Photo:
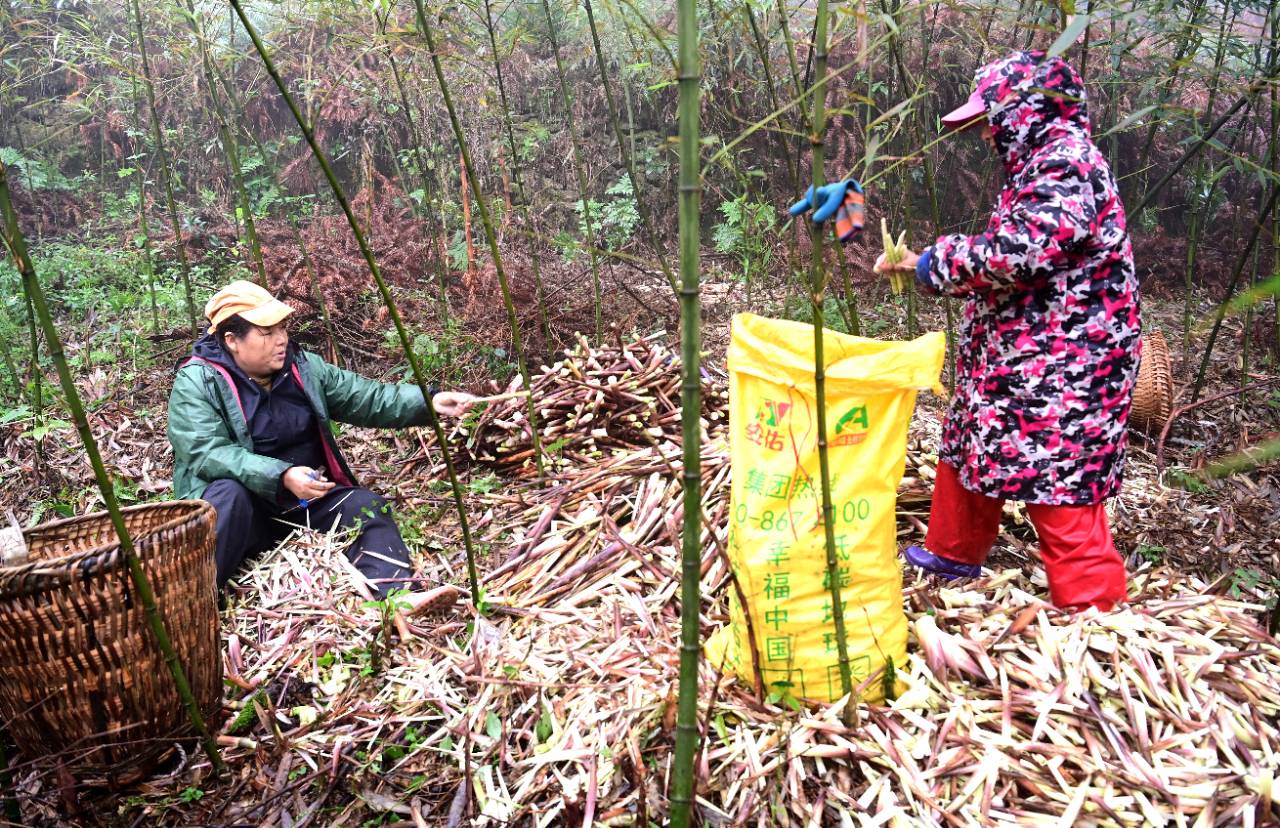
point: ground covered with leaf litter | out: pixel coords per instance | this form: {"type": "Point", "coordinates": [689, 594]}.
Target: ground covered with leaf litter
{"type": "Point", "coordinates": [555, 705]}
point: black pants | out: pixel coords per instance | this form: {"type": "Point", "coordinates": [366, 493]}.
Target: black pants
{"type": "Point", "coordinates": [247, 525]}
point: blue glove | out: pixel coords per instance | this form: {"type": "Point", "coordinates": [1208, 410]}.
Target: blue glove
{"type": "Point", "coordinates": [316, 474]}
{"type": "Point", "coordinates": [842, 199]}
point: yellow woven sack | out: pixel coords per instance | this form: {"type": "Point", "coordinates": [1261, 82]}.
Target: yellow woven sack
{"type": "Point", "coordinates": [777, 544]}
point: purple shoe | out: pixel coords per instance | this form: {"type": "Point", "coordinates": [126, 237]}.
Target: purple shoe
{"type": "Point", "coordinates": [933, 564]}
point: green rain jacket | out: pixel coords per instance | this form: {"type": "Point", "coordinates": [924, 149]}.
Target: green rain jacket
{"type": "Point", "coordinates": [210, 435]}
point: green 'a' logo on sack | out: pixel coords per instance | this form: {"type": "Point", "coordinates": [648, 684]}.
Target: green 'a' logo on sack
{"type": "Point", "coordinates": [851, 429]}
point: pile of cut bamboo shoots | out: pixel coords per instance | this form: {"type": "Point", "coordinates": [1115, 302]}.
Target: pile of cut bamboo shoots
{"type": "Point", "coordinates": [593, 401]}
{"type": "Point", "coordinates": [556, 706]}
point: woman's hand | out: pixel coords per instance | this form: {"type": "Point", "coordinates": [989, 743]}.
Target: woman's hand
{"type": "Point", "coordinates": [908, 262]}
{"type": "Point", "coordinates": [306, 483]}
{"type": "Point", "coordinates": [452, 403]}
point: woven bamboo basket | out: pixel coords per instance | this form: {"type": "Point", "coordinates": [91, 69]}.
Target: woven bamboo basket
{"type": "Point", "coordinates": [1153, 393]}
{"type": "Point", "coordinates": [81, 677]}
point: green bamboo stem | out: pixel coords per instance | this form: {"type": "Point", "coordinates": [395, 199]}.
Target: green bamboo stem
{"type": "Point", "coordinates": [1192, 151]}
{"type": "Point", "coordinates": [905, 82]}
{"type": "Point", "coordinates": [762, 52]}
{"type": "Point", "coordinates": [166, 177]}
{"type": "Point", "coordinates": [935, 209]}
{"type": "Point", "coordinates": [849, 309]}
{"type": "Point", "coordinates": [579, 166]}
{"type": "Point", "coordinates": [148, 259]}
{"type": "Point", "coordinates": [793, 163]}
{"type": "Point", "coordinates": [1263, 216]}
{"type": "Point", "coordinates": [317, 295]}
{"type": "Point", "coordinates": [817, 280]}
{"type": "Point", "coordinates": [1245, 338]}
{"type": "Point", "coordinates": [406, 343]}
{"type": "Point", "coordinates": [689, 75]}
{"type": "Point", "coordinates": [17, 247]}
{"type": "Point", "coordinates": [1166, 93]}
{"type": "Point", "coordinates": [628, 161]}
{"type": "Point", "coordinates": [429, 193]}
{"type": "Point", "coordinates": [517, 179]}
{"type": "Point", "coordinates": [240, 122]}
{"type": "Point", "coordinates": [37, 384]}
{"type": "Point", "coordinates": [1273, 163]}
{"type": "Point", "coordinates": [797, 88]}
{"type": "Point", "coordinates": [11, 367]}
{"type": "Point", "coordinates": [230, 146]}
{"type": "Point", "coordinates": [482, 204]}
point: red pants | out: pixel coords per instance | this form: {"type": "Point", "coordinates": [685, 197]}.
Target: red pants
{"type": "Point", "coordinates": [1080, 559]}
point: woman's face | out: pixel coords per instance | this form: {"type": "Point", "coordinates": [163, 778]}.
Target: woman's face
{"type": "Point", "coordinates": [260, 353]}
{"type": "Point", "coordinates": [989, 137]}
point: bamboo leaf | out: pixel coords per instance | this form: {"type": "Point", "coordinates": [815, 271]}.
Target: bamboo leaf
{"type": "Point", "coordinates": [1069, 35]}
{"type": "Point", "coordinates": [1130, 119]}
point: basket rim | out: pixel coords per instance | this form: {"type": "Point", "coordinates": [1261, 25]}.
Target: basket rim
{"type": "Point", "coordinates": [106, 553]}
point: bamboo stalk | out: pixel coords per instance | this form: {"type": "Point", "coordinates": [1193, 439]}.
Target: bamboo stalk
{"type": "Point", "coordinates": [1268, 77]}
{"type": "Point", "coordinates": [17, 247]}
{"type": "Point", "coordinates": [405, 342]}
{"type": "Point", "coordinates": [491, 236]}
{"type": "Point", "coordinates": [37, 385]}
{"type": "Point", "coordinates": [166, 173]}
{"type": "Point", "coordinates": [689, 75]}
{"type": "Point", "coordinates": [1175, 64]}
{"type": "Point", "coordinates": [579, 166]}
{"type": "Point", "coordinates": [522, 193]}
{"type": "Point", "coordinates": [1263, 215]}
{"type": "Point", "coordinates": [317, 295]}
{"type": "Point", "coordinates": [240, 122]}
{"type": "Point", "coordinates": [230, 146]}
{"type": "Point", "coordinates": [148, 259]}
{"type": "Point", "coordinates": [1273, 163]}
{"type": "Point", "coordinates": [429, 193]}
{"type": "Point", "coordinates": [793, 164]}
{"type": "Point", "coordinates": [818, 281]}
{"type": "Point", "coordinates": [628, 160]}
{"type": "Point", "coordinates": [6, 355]}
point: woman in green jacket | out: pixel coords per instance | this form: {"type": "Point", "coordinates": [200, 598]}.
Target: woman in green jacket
{"type": "Point", "coordinates": [250, 423]}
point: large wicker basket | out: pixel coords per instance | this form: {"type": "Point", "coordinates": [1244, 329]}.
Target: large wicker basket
{"type": "Point", "coordinates": [81, 676]}
{"type": "Point", "coordinates": [1153, 393]}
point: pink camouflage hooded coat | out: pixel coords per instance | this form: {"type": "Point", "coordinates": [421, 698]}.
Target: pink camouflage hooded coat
{"type": "Point", "coordinates": [1049, 345]}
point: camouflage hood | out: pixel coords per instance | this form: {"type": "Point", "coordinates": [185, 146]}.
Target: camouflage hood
{"type": "Point", "coordinates": [1031, 100]}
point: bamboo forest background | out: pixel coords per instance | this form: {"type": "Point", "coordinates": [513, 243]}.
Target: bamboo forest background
{"type": "Point", "coordinates": [227, 171]}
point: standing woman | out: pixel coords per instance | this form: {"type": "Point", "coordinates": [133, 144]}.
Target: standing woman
{"type": "Point", "coordinates": [1048, 349]}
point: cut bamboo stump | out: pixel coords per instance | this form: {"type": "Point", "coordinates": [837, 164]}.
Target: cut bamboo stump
{"type": "Point", "coordinates": [81, 678]}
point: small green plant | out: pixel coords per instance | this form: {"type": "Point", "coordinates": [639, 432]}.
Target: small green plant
{"type": "Point", "coordinates": [1151, 554]}
{"type": "Point", "coordinates": [1188, 481]}
{"type": "Point", "coordinates": [191, 794]}
{"type": "Point", "coordinates": [780, 693]}
{"type": "Point", "coordinates": [34, 173]}
{"type": "Point", "coordinates": [614, 221]}
{"type": "Point", "coordinates": [387, 607]}
{"type": "Point", "coordinates": [1256, 582]}
{"type": "Point", "coordinates": [745, 234]}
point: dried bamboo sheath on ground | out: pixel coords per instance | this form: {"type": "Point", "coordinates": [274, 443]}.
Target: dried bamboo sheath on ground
{"type": "Point", "coordinates": [563, 696]}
